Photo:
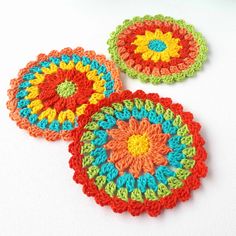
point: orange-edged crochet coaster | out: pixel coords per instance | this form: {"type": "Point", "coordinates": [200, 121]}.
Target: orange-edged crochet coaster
{"type": "Point", "coordinates": [157, 49]}
{"type": "Point", "coordinates": [138, 152]}
{"type": "Point", "coordinates": [50, 93]}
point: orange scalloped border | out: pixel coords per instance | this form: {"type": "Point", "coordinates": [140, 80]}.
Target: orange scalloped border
{"type": "Point", "coordinates": [33, 130]}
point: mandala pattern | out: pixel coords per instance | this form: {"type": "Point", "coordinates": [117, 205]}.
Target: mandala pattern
{"type": "Point", "coordinates": [51, 93]}
{"type": "Point", "coordinates": [138, 152]}
{"type": "Point", "coordinates": [157, 49]}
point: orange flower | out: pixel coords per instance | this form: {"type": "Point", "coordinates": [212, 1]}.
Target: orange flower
{"type": "Point", "coordinates": [137, 146]}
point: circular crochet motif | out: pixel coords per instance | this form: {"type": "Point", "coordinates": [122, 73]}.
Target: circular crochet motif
{"type": "Point", "coordinates": [138, 152]}
{"type": "Point", "coordinates": [157, 49]}
{"type": "Point", "coordinates": [52, 92]}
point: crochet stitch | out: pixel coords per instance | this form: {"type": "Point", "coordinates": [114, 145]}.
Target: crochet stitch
{"type": "Point", "coordinates": [138, 152]}
{"type": "Point", "coordinates": [157, 49]}
{"type": "Point", "coordinates": [52, 92]}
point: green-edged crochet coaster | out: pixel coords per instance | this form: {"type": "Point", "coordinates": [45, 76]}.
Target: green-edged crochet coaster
{"type": "Point", "coordinates": [157, 49]}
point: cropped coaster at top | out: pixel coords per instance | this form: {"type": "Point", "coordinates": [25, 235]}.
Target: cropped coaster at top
{"type": "Point", "coordinates": [157, 49]}
{"type": "Point", "coordinates": [138, 152]}
{"type": "Point", "coordinates": [52, 92]}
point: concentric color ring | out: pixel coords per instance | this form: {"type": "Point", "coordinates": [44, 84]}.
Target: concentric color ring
{"type": "Point", "coordinates": [157, 49]}
{"type": "Point", "coordinates": [52, 92]}
{"type": "Point", "coordinates": [138, 152]}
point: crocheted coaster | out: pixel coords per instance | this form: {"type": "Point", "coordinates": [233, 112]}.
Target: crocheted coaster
{"type": "Point", "coordinates": [157, 49]}
{"type": "Point", "coordinates": [51, 92]}
{"type": "Point", "coordinates": [138, 152]}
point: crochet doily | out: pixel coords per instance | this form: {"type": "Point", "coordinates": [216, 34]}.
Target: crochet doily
{"type": "Point", "coordinates": [52, 92]}
{"type": "Point", "coordinates": [138, 152]}
{"type": "Point", "coordinates": [157, 49]}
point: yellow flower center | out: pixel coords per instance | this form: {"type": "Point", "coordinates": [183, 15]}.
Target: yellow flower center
{"type": "Point", "coordinates": [157, 46]}
{"type": "Point", "coordinates": [138, 144]}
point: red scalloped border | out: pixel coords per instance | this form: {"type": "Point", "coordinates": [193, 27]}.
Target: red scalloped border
{"type": "Point", "coordinates": [135, 208]}
{"type": "Point", "coordinates": [33, 130]}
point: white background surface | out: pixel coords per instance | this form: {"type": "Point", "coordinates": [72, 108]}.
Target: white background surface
{"type": "Point", "coordinates": [37, 193]}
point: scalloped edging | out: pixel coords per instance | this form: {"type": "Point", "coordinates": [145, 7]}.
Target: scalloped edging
{"type": "Point", "coordinates": [135, 208]}
{"type": "Point", "coordinates": [23, 123]}
{"type": "Point", "coordinates": [169, 79]}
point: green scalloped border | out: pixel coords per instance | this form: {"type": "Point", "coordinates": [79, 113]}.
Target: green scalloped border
{"type": "Point", "coordinates": [168, 79]}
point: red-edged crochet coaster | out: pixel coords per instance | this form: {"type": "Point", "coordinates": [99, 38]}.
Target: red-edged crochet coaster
{"type": "Point", "coordinates": [50, 93]}
{"type": "Point", "coordinates": [138, 152]}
